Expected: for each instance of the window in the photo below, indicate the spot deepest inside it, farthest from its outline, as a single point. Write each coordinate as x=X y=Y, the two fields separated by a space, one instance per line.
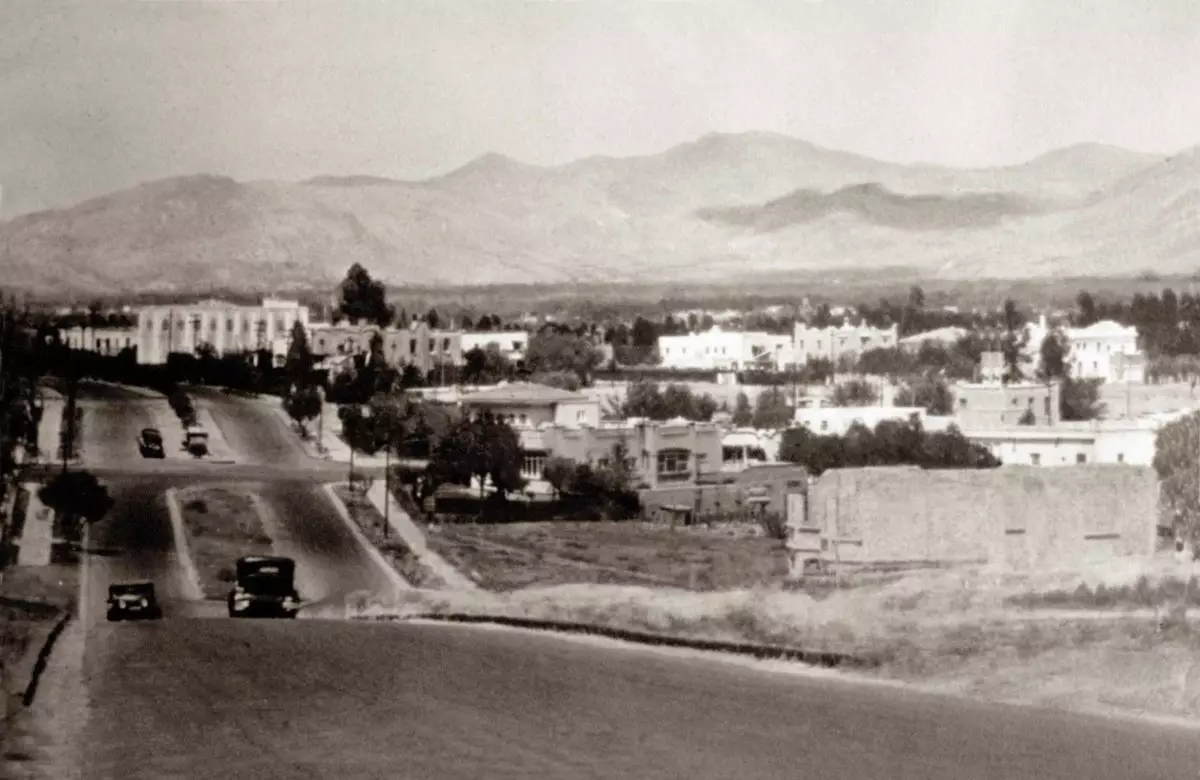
x=581 y=415
x=321 y=343
x=962 y=402
x=445 y=345
x=673 y=463
x=433 y=345
x=1035 y=459
x=1120 y=457
x=412 y=346
x=229 y=325
x=1080 y=457
x=533 y=465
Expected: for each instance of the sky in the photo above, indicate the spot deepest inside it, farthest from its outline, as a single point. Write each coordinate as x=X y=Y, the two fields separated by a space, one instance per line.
x=99 y=95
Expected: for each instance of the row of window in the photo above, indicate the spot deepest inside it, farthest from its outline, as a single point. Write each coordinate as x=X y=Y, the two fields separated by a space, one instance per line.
x=393 y=345
x=281 y=325
x=671 y=464
x=1035 y=458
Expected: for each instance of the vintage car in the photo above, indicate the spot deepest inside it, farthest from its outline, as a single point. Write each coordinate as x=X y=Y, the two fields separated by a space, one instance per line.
x=265 y=586
x=133 y=601
x=150 y=442
x=195 y=441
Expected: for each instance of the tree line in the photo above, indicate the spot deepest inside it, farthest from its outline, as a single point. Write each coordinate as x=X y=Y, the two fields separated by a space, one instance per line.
x=890 y=443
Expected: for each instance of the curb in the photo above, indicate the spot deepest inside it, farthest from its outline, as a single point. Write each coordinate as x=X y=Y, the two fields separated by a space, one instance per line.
x=343 y=513
x=822 y=658
x=43 y=659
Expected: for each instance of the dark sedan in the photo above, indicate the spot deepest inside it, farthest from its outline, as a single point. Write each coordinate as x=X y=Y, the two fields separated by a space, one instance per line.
x=133 y=601
x=150 y=442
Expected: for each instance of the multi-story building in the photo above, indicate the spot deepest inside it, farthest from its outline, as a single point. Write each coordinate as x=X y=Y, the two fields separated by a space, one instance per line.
x=993 y=404
x=553 y=422
x=728 y=350
x=837 y=420
x=228 y=327
x=101 y=340
x=1106 y=350
x=834 y=343
x=417 y=345
x=511 y=343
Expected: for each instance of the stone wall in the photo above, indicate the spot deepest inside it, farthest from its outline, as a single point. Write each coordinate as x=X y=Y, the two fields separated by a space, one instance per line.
x=1021 y=516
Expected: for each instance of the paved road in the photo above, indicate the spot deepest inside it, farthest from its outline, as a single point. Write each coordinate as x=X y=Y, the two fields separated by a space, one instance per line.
x=315 y=699
x=253 y=430
x=198 y=696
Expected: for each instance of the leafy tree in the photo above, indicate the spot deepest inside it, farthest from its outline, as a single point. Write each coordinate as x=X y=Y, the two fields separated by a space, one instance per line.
x=644 y=399
x=772 y=410
x=433 y=320
x=1086 y=309
x=885 y=361
x=889 y=444
x=77 y=497
x=558 y=472
x=743 y=413
x=1053 y=351
x=363 y=298
x=553 y=351
x=481 y=448
x=1013 y=343
x=303 y=404
x=930 y=393
x=299 y=363
x=1177 y=446
x=485 y=366
x=854 y=392
x=1080 y=399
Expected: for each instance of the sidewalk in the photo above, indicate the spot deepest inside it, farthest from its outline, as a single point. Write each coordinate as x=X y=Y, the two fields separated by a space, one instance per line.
x=49 y=433
x=37 y=538
x=334 y=448
x=414 y=538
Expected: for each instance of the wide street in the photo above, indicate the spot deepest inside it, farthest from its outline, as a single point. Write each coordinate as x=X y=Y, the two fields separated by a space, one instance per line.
x=197 y=695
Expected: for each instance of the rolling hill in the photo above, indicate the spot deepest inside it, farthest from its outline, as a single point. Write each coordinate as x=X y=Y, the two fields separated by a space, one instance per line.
x=719 y=207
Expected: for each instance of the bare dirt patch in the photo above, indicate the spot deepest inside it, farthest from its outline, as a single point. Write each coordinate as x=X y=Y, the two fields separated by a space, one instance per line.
x=32 y=600
x=222 y=525
x=394 y=550
x=519 y=555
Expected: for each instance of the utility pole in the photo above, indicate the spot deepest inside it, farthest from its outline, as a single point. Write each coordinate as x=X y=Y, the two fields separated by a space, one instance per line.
x=387 y=487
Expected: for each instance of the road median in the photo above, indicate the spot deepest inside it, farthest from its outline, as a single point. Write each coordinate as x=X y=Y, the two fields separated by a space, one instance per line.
x=219 y=523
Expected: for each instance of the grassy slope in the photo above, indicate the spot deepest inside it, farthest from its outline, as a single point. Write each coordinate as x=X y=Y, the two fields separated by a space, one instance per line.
x=222 y=526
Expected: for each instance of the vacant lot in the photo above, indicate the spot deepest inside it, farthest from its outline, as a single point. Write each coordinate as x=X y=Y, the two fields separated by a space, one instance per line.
x=222 y=525
x=32 y=599
x=518 y=555
x=956 y=631
x=371 y=523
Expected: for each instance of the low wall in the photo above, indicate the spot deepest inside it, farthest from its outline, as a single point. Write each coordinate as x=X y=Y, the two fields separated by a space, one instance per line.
x=1020 y=516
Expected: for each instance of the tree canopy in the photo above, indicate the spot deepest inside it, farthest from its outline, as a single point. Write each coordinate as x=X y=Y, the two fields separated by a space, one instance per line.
x=363 y=298
x=891 y=443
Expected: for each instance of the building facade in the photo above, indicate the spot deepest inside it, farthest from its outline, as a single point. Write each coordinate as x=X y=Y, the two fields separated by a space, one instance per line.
x=1106 y=350
x=102 y=341
x=990 y=404
x=529 y=405
x=726 y=350
x=836 y=420
x=229 y=328
x=1129 y=442
x=417 y=345
x=834 y=343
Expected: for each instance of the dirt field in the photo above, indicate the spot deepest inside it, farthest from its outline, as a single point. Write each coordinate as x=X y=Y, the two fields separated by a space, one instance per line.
x=32 y=599
x=518 y=555
x=222 y=526
x=371 y=523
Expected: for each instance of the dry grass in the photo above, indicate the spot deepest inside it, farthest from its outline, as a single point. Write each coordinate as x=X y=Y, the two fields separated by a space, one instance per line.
x=956 y=630
x=222 y=525
x=32 y=598
x=518 y=555
x=371 y=523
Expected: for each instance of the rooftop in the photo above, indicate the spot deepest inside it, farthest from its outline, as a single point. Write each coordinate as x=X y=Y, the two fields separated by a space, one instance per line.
x=523 y=393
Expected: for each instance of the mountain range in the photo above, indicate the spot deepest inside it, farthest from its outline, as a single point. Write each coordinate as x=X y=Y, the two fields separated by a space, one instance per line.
x=721 y=207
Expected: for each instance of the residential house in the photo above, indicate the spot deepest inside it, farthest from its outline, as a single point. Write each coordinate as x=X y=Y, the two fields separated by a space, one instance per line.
x=993 y=404
x=511 y=343
x=1130 y=442
x=1106 y=350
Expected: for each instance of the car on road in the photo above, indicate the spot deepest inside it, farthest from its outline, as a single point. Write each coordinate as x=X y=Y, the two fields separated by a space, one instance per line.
x=150 y=442
x=265 y=586
x=133 y=601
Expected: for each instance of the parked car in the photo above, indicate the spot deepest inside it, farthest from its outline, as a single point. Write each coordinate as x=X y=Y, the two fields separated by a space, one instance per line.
x=150 y=442
x=133 y=601
x=265 y=587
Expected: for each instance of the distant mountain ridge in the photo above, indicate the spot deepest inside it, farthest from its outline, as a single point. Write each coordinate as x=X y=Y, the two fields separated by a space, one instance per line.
x=718 y=207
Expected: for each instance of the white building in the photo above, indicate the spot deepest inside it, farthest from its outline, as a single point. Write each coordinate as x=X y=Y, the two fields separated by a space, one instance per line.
x=103 y=340
x=846 y=341
x=732 y=350
x=1106 y=350
x=228 y=327
x=1068 y=444
x=836 y=420
x=742 y=448
x=511 y=343
x=942 y=337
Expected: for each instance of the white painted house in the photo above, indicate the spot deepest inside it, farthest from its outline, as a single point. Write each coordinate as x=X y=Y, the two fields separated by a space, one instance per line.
x=721 y=349
x=1106 y=350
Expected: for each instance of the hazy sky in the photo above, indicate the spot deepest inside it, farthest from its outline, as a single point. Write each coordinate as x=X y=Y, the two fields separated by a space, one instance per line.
x=98 y=95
